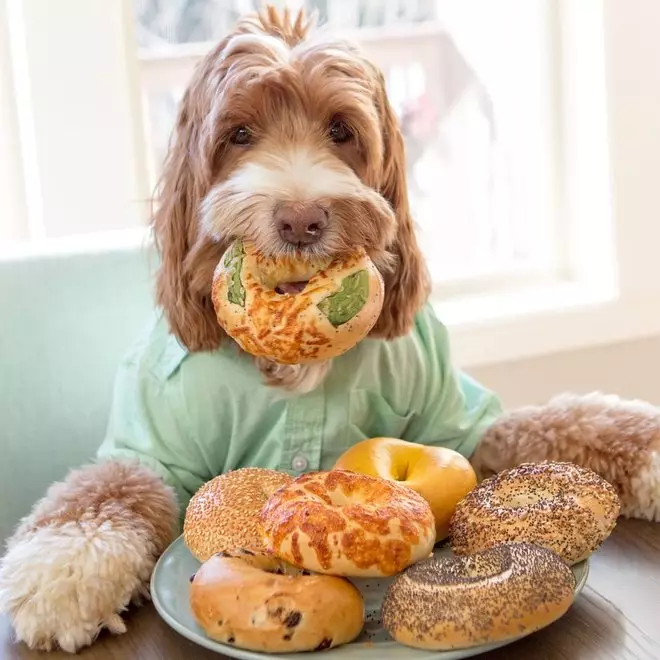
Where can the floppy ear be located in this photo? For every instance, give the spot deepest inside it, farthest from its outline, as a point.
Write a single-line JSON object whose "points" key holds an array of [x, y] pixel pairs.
{"points": [[187, 257], [407, 286]]}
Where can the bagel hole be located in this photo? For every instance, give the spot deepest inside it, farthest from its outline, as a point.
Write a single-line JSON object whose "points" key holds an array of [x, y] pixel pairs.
{"points": [[518, 493], [469, 569], [478, 567], [522, 500], [525, 499], [290, 288], [286, 569]]}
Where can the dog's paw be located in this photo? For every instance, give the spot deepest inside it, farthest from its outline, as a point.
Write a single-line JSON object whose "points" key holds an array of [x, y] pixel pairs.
{"points": [[61, 585]]}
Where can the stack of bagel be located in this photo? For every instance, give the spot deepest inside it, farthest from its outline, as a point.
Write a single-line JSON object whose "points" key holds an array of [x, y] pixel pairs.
{"points": [[280, 556]]}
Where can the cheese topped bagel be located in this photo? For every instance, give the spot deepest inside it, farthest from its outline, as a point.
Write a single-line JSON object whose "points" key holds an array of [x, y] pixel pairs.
{"points": [[294, 311]]}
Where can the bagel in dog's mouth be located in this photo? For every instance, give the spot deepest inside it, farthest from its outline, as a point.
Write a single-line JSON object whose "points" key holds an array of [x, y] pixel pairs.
{"points": [[296, 311]]}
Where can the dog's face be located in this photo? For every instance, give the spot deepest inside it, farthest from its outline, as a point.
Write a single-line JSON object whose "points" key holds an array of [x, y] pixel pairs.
{"points": [[299, 149], [288, 140]]}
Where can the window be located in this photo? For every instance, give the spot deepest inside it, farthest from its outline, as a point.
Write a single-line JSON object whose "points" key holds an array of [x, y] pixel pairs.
{"points": [[532, 130]]}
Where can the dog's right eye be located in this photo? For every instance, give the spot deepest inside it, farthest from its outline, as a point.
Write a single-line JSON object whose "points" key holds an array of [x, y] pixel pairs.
{"points": [[339, 131], [241, 136]]}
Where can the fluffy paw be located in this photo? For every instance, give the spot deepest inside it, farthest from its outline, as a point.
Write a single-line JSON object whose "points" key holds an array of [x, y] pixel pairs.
{"points": [[62, 584]]}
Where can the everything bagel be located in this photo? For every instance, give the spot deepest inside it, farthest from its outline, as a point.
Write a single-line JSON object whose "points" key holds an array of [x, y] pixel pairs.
{"points": [[491, 596], [295, 311], [560, 506]]}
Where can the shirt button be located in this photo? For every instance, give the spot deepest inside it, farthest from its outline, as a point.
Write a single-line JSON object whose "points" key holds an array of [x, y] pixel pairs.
{"points": [[299, 463]]}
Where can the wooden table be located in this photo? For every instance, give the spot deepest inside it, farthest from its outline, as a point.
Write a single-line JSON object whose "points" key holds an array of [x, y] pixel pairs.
{"points": [[616, 616]]}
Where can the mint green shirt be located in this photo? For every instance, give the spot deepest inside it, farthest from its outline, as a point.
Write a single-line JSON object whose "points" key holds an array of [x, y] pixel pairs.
{"points": [[192, 416]]}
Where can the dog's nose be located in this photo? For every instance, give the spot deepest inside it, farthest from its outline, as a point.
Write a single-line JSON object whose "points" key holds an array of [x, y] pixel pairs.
{"points": [[300, 224]]}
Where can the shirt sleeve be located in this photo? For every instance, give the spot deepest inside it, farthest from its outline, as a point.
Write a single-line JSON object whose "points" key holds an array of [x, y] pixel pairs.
{"points": [[454, 410], [149, 422]]}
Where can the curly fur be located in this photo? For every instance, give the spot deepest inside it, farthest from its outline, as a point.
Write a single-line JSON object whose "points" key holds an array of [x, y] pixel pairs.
{"points": [[286, 85], [84, 553]]}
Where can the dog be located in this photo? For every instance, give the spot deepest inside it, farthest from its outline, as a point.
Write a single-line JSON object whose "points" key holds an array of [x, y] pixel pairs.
{"points": [[284, 137]]}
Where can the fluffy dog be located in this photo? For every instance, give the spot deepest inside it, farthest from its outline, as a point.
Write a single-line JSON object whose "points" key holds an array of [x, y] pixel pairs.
{"points": [[286, 138]]}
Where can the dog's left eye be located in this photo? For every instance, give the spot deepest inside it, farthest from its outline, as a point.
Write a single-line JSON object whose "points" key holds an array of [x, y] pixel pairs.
{"points": [[339, 131], [241, 135]]}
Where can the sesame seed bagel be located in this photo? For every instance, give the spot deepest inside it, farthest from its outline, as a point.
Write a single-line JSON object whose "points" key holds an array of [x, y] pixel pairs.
{"points": [[295, 311], [491, 596], [561, 506], [343, 523], [224, 513], [257, 602]]}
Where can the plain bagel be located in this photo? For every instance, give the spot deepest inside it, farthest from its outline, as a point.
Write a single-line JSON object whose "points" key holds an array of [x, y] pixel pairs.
{"points": [[294, 311], [258, 603], [224, 513], [343, 523], [492, 596], [561, 506]]}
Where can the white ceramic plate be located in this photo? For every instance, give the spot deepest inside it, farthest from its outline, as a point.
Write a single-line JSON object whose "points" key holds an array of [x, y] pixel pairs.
{"points": [[170, 583]]}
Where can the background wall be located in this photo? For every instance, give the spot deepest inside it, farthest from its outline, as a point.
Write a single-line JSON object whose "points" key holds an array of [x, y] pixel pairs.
{"points": [[628, 369]]}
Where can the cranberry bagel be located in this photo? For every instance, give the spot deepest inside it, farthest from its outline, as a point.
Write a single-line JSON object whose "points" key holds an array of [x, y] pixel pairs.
{"points": [[256, 602]]}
